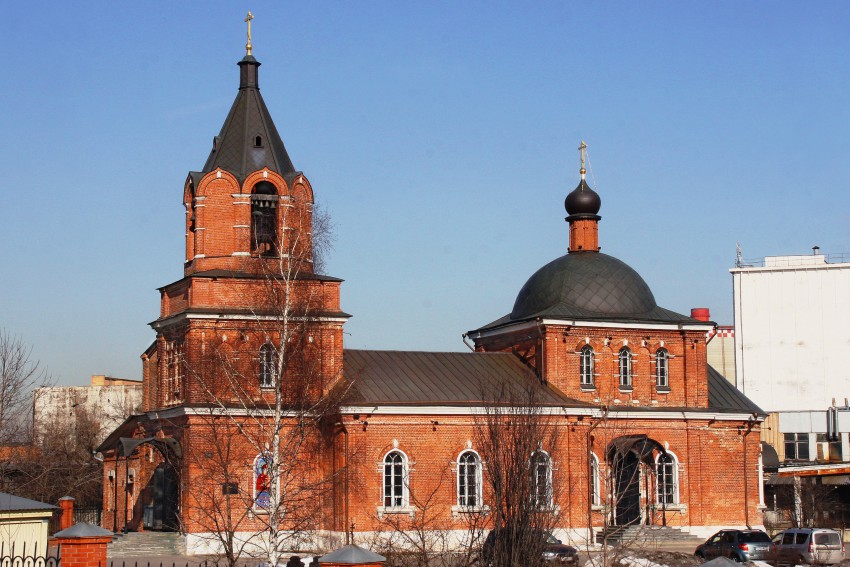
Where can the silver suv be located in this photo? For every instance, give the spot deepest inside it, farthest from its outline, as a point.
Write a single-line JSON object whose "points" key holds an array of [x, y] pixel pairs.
{"points": [[812, 546]]}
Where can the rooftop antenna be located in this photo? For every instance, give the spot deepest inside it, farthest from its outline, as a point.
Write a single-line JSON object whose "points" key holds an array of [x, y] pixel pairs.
{"points": [[248, 46], [739, 257], [815, 249]]}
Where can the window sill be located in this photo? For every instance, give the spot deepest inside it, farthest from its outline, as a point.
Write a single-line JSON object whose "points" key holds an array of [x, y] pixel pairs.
{"points": [[552, 509], [626, 388], [384, 510], [588, 387], [597, 508], [662, 389], [671, 507], [459, 510]]}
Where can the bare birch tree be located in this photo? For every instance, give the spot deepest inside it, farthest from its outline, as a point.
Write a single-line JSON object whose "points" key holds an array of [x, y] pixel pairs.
{"points": [[270, 427]]}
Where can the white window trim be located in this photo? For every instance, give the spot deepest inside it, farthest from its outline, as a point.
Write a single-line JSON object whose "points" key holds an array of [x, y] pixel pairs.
{"points": [[549, 505], [591, 384], [596, 499], [478, 482], [676, 502], [270, 364], [254, 508], [666, 356], [629, 360], [404, 507]]}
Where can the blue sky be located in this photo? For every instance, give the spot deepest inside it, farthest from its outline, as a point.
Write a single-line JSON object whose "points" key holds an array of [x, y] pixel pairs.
{"points": [[441, 137]]}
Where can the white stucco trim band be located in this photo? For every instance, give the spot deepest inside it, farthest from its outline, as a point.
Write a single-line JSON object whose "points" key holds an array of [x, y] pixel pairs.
{"points": [[180, 317], [565, 411], [597, 324]]}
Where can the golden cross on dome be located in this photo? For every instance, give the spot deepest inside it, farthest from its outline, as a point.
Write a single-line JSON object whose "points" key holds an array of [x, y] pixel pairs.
{"points": [[248, 45], [583, 149]]}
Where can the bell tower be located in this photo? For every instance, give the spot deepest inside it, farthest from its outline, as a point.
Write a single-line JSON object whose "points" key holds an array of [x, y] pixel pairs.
{"points": [[249, 291]]}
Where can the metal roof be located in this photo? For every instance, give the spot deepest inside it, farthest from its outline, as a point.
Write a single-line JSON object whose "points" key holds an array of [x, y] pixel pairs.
{"points": [[589, 281], [12, 503], [588, 286], [83, 529], [351, 555], [723, 395], [446, 378], [235, 149]]}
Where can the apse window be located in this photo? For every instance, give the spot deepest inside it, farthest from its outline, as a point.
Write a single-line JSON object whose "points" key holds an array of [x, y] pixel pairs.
{"points": [[258, 142]]}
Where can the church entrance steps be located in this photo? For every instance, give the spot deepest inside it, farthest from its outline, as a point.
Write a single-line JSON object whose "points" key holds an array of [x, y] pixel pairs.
{"points": [[146, 544], [641, 536]]}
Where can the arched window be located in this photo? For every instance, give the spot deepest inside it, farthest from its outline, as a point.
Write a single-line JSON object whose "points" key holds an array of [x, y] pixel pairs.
{"points": [[262, 481], [667, 479], [595, 475], [586, 370], [395, 480], [268, 366], [662, 369], [264, 218], [625, 368], [541, 479], [469, 479]]}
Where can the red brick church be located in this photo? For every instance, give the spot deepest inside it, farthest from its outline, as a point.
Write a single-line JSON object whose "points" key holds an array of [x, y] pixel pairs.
{"points": [[259, 423]]}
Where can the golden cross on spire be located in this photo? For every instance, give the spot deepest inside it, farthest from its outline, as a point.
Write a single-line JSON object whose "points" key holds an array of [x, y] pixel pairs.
{"points": [[583, 149], [248, 46]]}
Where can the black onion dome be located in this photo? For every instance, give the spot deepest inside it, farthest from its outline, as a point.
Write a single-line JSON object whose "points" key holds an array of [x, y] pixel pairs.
{"points": [[584, 284], [583, 200]]}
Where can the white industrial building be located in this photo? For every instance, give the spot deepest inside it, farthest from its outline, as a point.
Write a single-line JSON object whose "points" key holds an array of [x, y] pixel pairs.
{"points": [[107, 402], [792, 331], [792, 344]]}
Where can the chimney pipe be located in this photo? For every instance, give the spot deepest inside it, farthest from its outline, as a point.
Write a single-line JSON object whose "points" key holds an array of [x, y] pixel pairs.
{"points": [[701, 314]]}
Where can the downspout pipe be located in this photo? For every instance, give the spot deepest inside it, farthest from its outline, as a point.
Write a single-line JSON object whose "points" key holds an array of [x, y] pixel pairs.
{"points": [[345, 485], [746, 433]]}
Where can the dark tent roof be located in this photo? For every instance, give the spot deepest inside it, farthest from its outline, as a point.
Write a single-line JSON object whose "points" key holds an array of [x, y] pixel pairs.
{"points": [[446, 378], [235, 149]]}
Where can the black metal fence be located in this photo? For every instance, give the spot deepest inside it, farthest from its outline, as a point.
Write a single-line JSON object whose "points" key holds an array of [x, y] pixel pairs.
{"points": [[202, 563], [90, 514], [20, 556]]}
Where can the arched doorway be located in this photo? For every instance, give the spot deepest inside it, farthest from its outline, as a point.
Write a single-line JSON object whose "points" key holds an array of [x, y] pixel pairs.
{"points": [[155, 505], [631, 461], [627, 475]]}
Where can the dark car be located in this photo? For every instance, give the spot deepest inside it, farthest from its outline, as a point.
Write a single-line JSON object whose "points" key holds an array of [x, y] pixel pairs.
{"points": [[738, 545], [551, 548]]}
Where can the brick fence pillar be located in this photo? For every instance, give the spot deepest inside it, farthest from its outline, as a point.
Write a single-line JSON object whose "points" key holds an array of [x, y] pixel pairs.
{"points": [[66, 503], [82, 545]]}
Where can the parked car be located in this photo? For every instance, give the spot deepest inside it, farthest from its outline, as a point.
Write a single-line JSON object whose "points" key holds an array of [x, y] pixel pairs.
{"points": [[552, 549], [812, 546], [738, 545]]}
